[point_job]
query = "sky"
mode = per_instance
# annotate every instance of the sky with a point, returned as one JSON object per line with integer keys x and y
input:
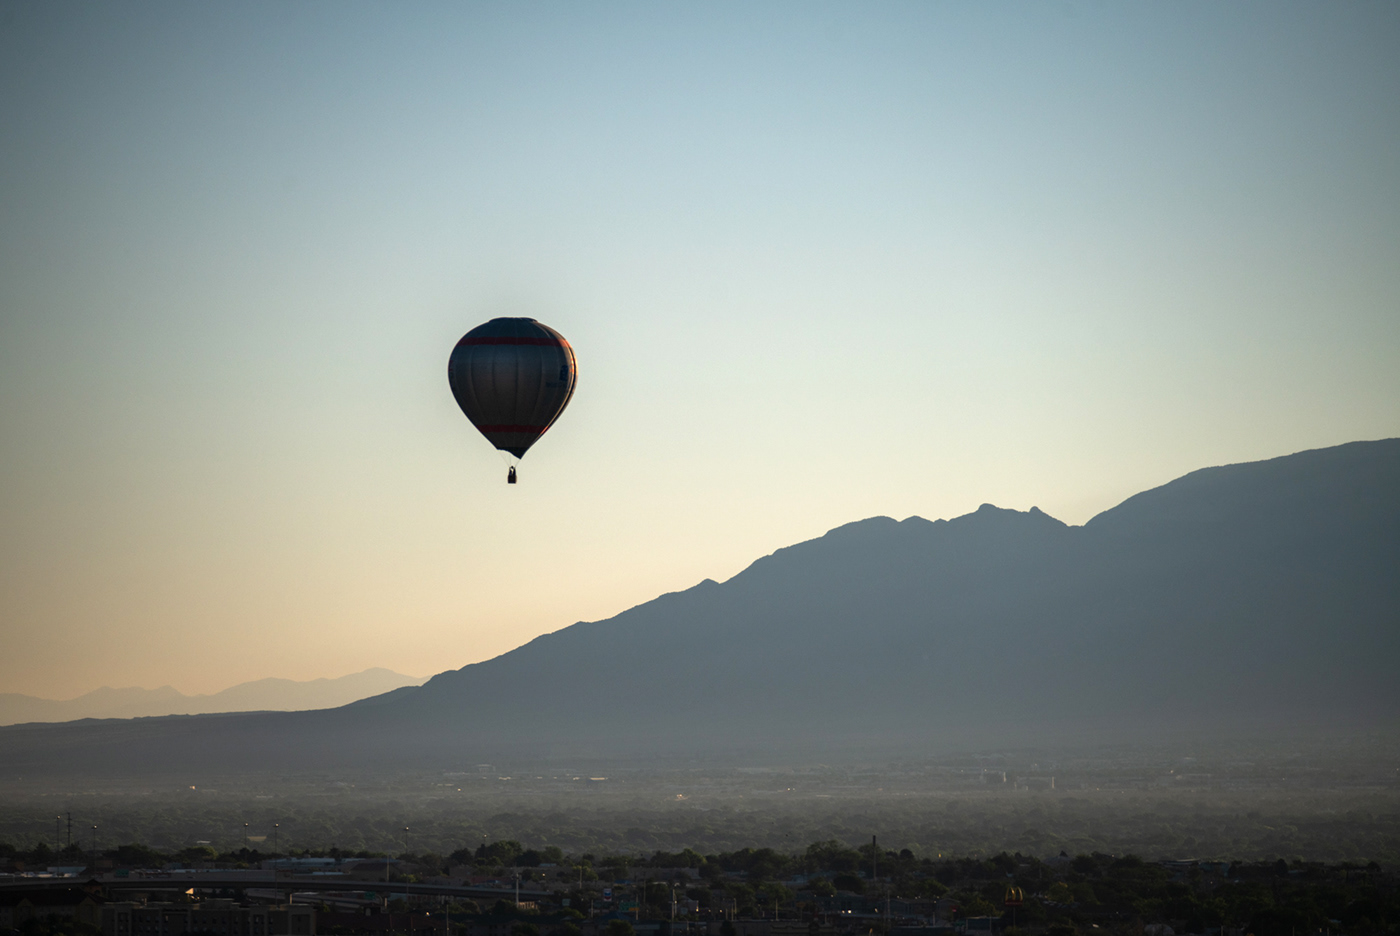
{"x": 818, "y": 262}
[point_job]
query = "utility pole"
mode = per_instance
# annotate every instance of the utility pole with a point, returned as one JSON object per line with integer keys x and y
{"x": 57, "y": 832}
{"x": 405, "y": 841}
{"x": 275, "y": 827}
{"x": 875, "y": 877}
{"x": 70, "y": 830}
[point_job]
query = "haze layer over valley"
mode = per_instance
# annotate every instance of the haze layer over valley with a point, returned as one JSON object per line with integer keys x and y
{"x": 1324, "y": 799}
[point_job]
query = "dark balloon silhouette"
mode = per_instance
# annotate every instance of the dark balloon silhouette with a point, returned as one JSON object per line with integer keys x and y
{"x": 512, "y": 377}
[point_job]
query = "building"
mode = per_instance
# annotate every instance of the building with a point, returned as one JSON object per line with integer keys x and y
{"x": 72, "y": 903}
{"x": 206, "y": 918}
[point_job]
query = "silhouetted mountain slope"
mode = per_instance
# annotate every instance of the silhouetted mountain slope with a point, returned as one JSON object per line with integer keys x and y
{"x": 1261, "y": 596}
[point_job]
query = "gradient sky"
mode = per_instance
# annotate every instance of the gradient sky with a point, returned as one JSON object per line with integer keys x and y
{"x": 818, "y": 261}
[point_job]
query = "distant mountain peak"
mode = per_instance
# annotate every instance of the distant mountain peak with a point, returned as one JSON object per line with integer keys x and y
{"x": 268, "y": 694}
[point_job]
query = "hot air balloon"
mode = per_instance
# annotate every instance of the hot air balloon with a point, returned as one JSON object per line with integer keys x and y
{"x": 512, "y": 377}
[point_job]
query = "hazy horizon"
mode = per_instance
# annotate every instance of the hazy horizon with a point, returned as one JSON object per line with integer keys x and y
{"x": 272, "y": 676}
{"x": 270, "y": 694}
{"x": 818, "y": 262}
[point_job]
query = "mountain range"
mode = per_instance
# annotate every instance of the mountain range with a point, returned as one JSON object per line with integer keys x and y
{"x": 270, "y": 695}
{"x": 1236, "y": 600}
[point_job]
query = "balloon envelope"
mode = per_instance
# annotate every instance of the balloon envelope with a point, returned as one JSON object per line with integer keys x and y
{"x": 512, "y": 377}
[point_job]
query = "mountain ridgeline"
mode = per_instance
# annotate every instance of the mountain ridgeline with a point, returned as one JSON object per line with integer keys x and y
{"x": 272, "y": 694}
{"x": 1261, "y": 597}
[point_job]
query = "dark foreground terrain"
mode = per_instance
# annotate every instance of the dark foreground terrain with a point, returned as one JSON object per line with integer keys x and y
{"x": 826, "y": 887}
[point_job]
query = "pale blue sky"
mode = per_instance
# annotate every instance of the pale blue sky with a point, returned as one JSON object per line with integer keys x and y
{"x": 818, "y": 262}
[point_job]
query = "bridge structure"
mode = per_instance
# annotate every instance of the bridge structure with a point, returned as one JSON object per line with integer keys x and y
{"x": 150, "y": 882}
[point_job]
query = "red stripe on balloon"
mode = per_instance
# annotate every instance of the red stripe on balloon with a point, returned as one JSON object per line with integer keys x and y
{"x": 522, "y": 429}
{"x": 537, "y": 342}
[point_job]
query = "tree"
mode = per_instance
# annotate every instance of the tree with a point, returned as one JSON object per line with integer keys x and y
{"x": 848, "y": 882}
{"x": 198, "y": 853}
{"x": 136, "y": 856}
{"x": 503, "y": 852}
{"x": 831, "y": 855}
{"x": 976, "y": 905}
{"x": 773, "y": 892}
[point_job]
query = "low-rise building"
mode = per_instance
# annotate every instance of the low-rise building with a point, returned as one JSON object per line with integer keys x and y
{"x": 73, "y": 903}
{"x": 206, "y": 918}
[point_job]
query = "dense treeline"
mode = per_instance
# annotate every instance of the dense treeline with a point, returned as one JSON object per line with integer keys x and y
{"x": 1062, "y": 896}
